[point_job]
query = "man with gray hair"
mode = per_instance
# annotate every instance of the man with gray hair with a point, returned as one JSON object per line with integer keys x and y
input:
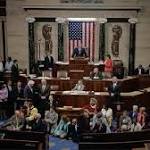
{"x": 28, "y": 90}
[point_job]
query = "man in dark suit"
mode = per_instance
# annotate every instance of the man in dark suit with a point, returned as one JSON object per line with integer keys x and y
{"x": 44, "y": 90}
{"x": 114, "y": 90}
{"x": 19, "y": 93}
{"x": 29, "y": 90}
{"x": 79, "y": 52}
{"x": 11, "y": 98}
{"x": 48, "y": 62}
{"x": 19, "y": 90}
{"x": 139, "y": 70}
{"x": 15, "y": 72}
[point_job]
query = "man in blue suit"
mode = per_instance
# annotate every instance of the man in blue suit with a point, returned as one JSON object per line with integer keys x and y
{"x": 79, "y": 52}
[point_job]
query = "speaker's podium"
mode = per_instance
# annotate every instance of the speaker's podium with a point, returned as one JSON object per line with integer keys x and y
{"x": 77, "y": 67}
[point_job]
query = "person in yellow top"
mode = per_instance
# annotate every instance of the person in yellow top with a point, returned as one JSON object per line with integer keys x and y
{"x": 32, "y": 112}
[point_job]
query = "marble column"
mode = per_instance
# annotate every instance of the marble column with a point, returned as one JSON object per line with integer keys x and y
{"x": 96, "y": 40}
{"x": 61, "y": 26}
{"x": 102, "y": 22}
{"x": 66, "y": 42}
{"x": 31, "y": 46}
{"x": 132, "y": 41}
{"x": 3, "y": 41}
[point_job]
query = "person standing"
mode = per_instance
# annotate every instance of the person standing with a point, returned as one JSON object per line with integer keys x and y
{"x": 1, "y": 69}
{"x": 11, "y": 98}
{"x": 79, "y": 51}
{"x": 44, "y": 90}
{"x": 8, "y": 64}
{"x": 29, "y": 90}
{"x": 114, "y": 90}
{"x": 139, "y": 70}
{"x": 108, "y": 67}
{"x": 49, "y": 62}
{"x": 15, "y": 72}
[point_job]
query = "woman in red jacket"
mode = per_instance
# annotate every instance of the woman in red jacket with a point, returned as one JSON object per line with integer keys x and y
{"x": 108, "y": 66}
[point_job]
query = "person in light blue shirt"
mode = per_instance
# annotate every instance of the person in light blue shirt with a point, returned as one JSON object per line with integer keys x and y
{"x": 62, "y": 128}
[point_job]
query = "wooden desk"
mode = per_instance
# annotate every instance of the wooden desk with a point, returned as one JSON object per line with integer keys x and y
{"x": 23, "y": 138}
{"x": 80, "y": 99}
{"x": 127, "y": 85}
{"x": 144, "y": 81}
{"x": 8, "y": 144}
{"x": 70, "y": 112}
{"x": 126, "y": 140}
{"x": 77, "y": 64}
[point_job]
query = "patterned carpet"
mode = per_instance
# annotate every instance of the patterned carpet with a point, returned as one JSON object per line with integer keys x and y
{"x": 61, "y": 144}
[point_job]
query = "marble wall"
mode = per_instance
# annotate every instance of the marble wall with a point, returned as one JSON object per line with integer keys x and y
{"x": 123, "y": 42}
{"x": 17, "y": 27}
{"x": 40, "y": 41}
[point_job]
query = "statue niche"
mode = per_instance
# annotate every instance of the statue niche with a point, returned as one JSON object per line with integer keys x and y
{"x": 47, "y": 34}
{"x": 117, "y": 32}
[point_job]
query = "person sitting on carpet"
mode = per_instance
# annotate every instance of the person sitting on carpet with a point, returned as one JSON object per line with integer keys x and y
{"x": 84, "y": 122}
{"x": 38, "y": 125}
{"x": 16, "y": 122}
{"x": 97, "y": 124}
{"x": 51, "y": 118}
{"x": 125, "y": 122}
{"x": 62, "y": 128}
{"x": 135, "y": 126}
{"x": 107, "y": 112}
{"x": 79, "y": 86}
{"x": 32, "y": 111}
{"x": 73, "y": 130}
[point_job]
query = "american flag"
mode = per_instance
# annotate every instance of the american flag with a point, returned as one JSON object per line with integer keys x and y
{"x": 82, "y": 32}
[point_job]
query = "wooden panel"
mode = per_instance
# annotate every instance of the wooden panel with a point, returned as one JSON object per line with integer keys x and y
{"x": 127, "y": 85}
{"x": 80, "y": 100}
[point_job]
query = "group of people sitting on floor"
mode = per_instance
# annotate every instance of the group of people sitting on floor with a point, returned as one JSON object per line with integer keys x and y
{"x": 104, "y": 120}
{"x": 38, "y": 112}
{"x": 108, "y": 119}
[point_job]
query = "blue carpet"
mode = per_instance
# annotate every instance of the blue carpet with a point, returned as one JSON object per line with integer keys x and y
{"x": 61, "y": 144}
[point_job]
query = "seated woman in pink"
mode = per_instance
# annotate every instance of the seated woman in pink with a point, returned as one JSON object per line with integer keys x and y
{"x": 108, "y": 67}
{"x": 141, "y": 116}
{"x": 3, "y": 93}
